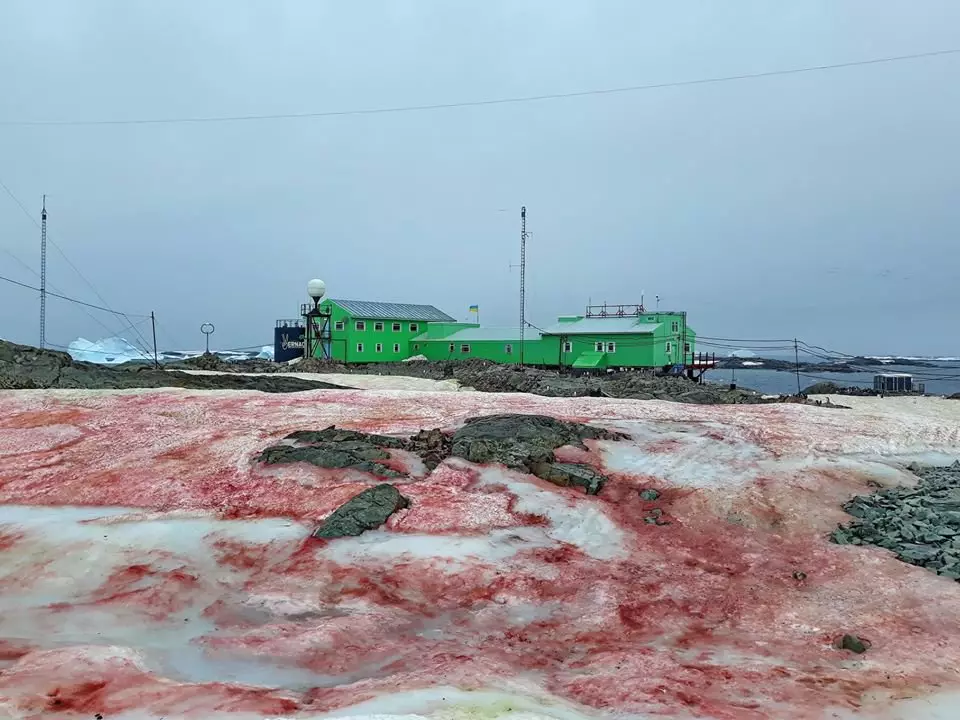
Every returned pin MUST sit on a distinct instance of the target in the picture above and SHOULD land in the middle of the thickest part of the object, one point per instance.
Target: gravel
(920, 525)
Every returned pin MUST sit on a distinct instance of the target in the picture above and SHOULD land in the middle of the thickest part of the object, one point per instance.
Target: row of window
(379, 347)
(465, 348)
(610, 347)
(361, 325)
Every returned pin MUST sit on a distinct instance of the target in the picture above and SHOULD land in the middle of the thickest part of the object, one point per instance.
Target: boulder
(366, 511)
(357, 455)
(527, 442)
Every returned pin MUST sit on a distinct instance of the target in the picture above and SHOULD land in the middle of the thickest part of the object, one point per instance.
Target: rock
(433, 447)
(23, 367)
(527, 442)
(357, 455)
(822, 388)
(852, 643)
(333, 434)
(567, 474)
(366, 511)
(649, 494)
(519, 440)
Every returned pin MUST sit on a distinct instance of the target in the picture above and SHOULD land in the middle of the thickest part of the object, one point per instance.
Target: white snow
(362, 382)
(574, 519)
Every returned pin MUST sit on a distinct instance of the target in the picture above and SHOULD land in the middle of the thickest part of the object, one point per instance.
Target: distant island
(846, 365)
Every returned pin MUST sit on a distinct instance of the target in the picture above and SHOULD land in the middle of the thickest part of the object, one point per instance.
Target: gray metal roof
(392, 311)
(507, 335)
(603, 326)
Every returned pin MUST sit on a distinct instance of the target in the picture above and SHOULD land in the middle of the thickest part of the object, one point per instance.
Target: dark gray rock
(919, 525)
(570, 474)
(333, 434)
(24, 367)
(357, 455)
(853, 644)
(527, 442)
(366, 511)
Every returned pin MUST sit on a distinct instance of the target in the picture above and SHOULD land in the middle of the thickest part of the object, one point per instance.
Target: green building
(365, 332)
(605, 337)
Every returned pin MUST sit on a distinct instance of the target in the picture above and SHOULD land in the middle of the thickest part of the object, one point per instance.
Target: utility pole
(43, 274)
(523, 278)
(153, 324)
(796, 356)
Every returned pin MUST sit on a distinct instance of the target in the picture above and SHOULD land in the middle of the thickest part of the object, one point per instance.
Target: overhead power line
(481, 103)
(70, 299)
(106, 305)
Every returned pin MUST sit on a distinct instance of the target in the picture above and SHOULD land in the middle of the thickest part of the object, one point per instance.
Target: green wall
(345, 340)
(433, 340)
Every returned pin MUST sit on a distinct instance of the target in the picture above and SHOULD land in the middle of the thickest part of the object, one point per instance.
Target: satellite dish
(316, 289)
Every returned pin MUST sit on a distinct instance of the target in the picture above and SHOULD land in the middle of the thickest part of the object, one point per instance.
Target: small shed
(893, 383)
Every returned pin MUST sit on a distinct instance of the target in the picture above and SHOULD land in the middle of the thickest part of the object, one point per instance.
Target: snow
(152, 569)
(365, 382)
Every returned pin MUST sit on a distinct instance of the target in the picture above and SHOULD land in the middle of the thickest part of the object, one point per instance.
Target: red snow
(700, 615)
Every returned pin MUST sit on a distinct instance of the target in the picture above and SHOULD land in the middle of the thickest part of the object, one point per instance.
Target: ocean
(942, 379)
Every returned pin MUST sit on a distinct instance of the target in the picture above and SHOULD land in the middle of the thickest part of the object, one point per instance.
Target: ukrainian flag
(475, 309)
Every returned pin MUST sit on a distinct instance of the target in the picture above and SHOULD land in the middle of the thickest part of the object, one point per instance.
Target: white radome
(316, 289)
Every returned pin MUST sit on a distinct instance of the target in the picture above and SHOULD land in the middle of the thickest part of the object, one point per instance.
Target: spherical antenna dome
(316, 289)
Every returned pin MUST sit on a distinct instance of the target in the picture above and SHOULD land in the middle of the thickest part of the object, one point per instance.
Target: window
(453, 347)
(686, 347)
(568, 346)
(599, 346)
(416, 347)
(464, 349)
(338, 325)
(396, 347)
(675, 327)
(669, 347)
(379, 347)
(359, 347)
(508, 349)
(611, 347)
(378, 327)
(396, 327)
(414, 327)
(360, 325)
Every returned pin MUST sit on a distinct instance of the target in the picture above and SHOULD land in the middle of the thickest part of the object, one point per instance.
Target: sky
(820, 205)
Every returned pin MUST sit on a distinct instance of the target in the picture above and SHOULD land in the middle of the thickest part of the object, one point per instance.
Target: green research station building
(606, 336)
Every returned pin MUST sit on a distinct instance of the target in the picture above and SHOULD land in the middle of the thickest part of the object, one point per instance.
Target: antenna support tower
(523, 278)
(43, 274)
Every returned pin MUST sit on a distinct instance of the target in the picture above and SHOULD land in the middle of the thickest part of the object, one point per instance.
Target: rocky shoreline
(29, 368)
(486, 376)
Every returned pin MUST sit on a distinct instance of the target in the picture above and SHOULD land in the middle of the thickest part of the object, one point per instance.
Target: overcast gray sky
(822, 205)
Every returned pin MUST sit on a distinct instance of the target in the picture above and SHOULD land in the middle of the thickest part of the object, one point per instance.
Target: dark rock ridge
(366, 511)
(920, 525)
(28, 368)
(520, 442)
(486, 376)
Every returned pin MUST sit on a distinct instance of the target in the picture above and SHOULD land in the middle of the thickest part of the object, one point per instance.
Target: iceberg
(106, 351)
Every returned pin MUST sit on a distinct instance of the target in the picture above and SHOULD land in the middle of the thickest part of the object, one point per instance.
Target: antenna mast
(43, 274)
(523, 278)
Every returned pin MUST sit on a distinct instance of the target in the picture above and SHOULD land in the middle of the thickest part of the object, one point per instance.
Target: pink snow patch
(150, 564)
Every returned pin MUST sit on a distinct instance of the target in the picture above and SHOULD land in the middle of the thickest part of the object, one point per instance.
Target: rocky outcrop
(920, 525)
(521, 442)
(366, 511)
(25, 368)
(527, 443)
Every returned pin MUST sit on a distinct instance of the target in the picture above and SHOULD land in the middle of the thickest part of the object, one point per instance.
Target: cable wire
(481, 103)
